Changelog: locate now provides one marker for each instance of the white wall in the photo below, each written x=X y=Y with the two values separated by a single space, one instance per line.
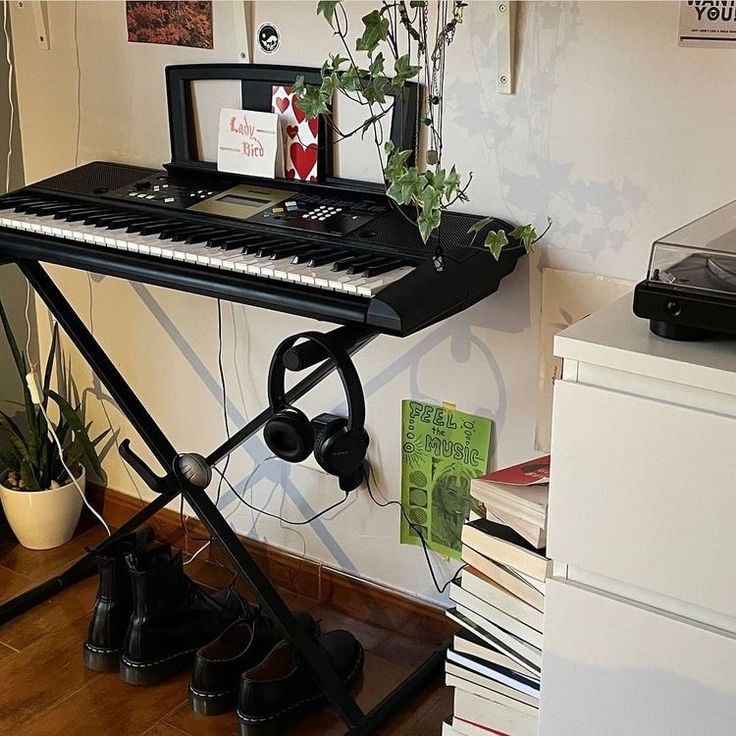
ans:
x=12 y=283
x=614 y=132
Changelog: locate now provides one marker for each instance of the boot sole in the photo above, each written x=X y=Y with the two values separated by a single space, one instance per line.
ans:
x=275 y=726
x=212 y=705
x=144 y=673
x=101 y=661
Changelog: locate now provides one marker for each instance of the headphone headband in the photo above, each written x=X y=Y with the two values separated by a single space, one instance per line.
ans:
x=345 y=368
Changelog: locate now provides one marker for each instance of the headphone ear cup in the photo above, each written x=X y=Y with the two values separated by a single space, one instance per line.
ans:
x=289 y=435
x=337 y=450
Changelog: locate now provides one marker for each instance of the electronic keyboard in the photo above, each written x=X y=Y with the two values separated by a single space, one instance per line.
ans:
x=333 y=255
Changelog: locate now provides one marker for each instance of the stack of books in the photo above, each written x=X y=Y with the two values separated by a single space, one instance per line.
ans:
x=517 y=496
x=496 y=658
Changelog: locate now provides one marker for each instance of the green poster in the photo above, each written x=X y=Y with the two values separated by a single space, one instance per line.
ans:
x=441 y=450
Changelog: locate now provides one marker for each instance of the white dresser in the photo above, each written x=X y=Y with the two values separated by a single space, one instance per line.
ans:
x=640 y=614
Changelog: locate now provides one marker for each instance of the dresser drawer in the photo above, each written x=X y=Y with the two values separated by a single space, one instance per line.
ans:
x=645 y=492
x=611 y=667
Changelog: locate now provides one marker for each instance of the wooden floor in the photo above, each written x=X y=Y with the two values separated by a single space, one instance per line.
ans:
x=45 y=690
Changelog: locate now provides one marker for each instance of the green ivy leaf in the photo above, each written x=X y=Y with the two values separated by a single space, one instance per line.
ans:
x=312 y=103
x=527 y=234
x=327 y=8
x=404 y=71
x=349 y=80
x=452 y=183
x=476 y=227
x=417 y=3
x=495 y=241
x=375 y=30
x=375 y=90
x=376 y=67
x=428 y=223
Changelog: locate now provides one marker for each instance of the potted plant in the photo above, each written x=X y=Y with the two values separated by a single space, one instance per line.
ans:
x=42 y=503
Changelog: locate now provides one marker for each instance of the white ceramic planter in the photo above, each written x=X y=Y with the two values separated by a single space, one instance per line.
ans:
x=43 y=519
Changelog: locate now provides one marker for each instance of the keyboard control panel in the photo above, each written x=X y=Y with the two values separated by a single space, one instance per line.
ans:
x=288 y=210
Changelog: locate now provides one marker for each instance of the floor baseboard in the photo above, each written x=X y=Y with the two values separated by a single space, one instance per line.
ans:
x=367 y=601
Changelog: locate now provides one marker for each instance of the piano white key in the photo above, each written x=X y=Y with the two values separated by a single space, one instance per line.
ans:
x=322 y=277
x=370 y=286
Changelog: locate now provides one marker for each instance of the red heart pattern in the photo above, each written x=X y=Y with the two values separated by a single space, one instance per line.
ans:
x=298 y=113
x=283 y=104
x=313 y=125
x=292 y=130
x=304 y=159
x=290 y=174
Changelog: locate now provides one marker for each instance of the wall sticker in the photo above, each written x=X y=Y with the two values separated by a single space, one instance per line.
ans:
x=708 y=23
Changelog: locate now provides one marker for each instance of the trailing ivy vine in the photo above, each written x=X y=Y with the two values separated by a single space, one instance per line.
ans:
x=429 y=187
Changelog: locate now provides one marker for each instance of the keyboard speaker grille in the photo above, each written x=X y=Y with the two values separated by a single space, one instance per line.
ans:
x=93 y=178
x=390 y=230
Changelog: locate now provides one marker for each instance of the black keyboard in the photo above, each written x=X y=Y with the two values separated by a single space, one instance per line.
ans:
x=379 y=274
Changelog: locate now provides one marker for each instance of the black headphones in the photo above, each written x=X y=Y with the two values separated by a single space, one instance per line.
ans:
x=339 y=444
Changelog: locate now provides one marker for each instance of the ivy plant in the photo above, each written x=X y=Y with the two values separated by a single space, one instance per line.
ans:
x=429 y=188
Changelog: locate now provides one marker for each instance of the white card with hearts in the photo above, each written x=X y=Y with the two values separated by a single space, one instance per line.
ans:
x=300 y=135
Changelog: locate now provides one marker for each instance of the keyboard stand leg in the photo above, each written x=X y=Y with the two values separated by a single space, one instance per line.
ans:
x=172 y=484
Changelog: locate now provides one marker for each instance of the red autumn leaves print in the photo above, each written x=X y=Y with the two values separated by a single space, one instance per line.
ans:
x=175 y=22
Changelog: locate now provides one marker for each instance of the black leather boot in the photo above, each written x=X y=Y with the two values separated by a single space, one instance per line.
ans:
x=282 y=687
x=113 y=604
x=172 y=617
x=219 y=665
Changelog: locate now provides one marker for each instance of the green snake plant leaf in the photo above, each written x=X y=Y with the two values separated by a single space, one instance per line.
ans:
x=80 y=433
x=28 y=476
x=17 y=442
x=50 y=365
x=20 y=362
x=9 y=460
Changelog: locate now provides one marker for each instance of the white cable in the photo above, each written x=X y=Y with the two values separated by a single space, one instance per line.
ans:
x=196 y=554
x=79 y=84
x=28 y=326
x=9 y=59
x=69 y=472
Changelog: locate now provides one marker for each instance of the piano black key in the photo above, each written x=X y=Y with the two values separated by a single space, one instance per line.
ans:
x=389 y=265
x=61 y=212
x=325 y=258
x=279 y=248
x=293 y=252
x=232 y=241
x=33 y=208
x=137 y=227
x=255 y=246
x=200 y=231
x=120 y=221
x=154 y=227
x=198 y=238
x=77 y=216
x=344 y=263
x=179 y=231
x=361 y=265
x=102 y=219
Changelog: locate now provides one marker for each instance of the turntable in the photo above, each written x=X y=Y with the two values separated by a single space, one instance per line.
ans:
x=690 y=289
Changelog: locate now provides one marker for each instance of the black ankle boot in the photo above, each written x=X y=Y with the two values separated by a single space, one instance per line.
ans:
x=172 y=618
x=113 y=604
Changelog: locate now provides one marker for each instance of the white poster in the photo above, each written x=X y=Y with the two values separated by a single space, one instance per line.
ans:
x=708 y=24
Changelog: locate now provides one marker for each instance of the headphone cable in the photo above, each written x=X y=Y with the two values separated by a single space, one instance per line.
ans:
x=268 y=513
x=368 y=471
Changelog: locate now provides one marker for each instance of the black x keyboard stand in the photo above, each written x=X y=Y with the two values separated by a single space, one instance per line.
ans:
x=173 y=484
